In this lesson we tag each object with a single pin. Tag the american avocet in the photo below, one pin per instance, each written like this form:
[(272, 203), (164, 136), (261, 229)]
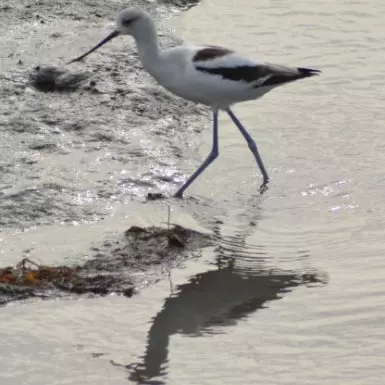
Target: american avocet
[(214, 76)]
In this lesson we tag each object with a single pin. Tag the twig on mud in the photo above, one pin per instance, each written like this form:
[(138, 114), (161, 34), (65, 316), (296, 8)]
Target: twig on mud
[(22, 265)]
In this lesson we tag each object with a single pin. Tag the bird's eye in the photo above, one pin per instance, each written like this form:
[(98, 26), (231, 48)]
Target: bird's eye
[(126, 22)]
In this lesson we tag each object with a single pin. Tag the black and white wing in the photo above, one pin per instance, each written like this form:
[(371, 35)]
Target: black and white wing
[(231, 66)]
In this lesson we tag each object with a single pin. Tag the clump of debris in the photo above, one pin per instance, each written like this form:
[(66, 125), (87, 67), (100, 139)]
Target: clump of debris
[(55, 79), (109, 271)]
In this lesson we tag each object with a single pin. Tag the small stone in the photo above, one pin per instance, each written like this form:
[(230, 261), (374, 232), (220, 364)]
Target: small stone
[(155, 196), (175, 240), (128, 292)]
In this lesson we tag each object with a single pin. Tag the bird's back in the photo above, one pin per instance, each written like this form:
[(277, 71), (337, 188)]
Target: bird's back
[(219, 77)]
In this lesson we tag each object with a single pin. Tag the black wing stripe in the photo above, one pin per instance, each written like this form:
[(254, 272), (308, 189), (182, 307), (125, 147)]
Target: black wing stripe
[(250, 74)]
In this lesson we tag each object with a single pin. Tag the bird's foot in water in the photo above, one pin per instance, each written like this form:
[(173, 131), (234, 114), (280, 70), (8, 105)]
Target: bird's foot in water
[(264, 187)]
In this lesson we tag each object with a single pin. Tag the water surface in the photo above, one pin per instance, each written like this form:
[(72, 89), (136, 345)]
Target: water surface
[(293, 293)]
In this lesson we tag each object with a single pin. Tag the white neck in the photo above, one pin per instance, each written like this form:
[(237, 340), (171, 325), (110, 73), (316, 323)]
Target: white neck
[(147, 44)]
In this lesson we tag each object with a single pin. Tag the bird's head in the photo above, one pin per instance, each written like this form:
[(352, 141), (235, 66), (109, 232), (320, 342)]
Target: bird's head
[(130, 21)]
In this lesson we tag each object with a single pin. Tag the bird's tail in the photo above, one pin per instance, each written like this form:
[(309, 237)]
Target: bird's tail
[(306, 72)]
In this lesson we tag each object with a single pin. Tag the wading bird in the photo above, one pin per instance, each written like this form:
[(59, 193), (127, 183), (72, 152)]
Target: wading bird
[(210, 75)]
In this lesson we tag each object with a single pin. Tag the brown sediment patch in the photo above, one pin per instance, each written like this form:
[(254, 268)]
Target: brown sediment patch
[(110, 271)]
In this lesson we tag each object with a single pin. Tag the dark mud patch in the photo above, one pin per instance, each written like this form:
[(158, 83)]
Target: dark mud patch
[(110, 271), (51, 79), (155, 196)]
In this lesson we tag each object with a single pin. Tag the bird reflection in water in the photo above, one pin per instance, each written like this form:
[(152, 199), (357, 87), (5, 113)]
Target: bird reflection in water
[(210, 301)]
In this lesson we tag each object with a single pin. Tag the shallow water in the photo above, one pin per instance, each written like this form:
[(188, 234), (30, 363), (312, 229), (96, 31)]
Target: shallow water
[(293, 293)]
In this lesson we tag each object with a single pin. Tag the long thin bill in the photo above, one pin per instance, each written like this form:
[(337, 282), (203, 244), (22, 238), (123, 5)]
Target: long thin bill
[(104, 41)]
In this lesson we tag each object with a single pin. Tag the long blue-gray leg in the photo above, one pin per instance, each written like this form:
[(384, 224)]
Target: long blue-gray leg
[(252, 146), (212, 156)]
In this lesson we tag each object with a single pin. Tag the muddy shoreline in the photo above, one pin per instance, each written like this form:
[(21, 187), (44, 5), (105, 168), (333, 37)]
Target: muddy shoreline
[(115, 135), (75, 142)]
